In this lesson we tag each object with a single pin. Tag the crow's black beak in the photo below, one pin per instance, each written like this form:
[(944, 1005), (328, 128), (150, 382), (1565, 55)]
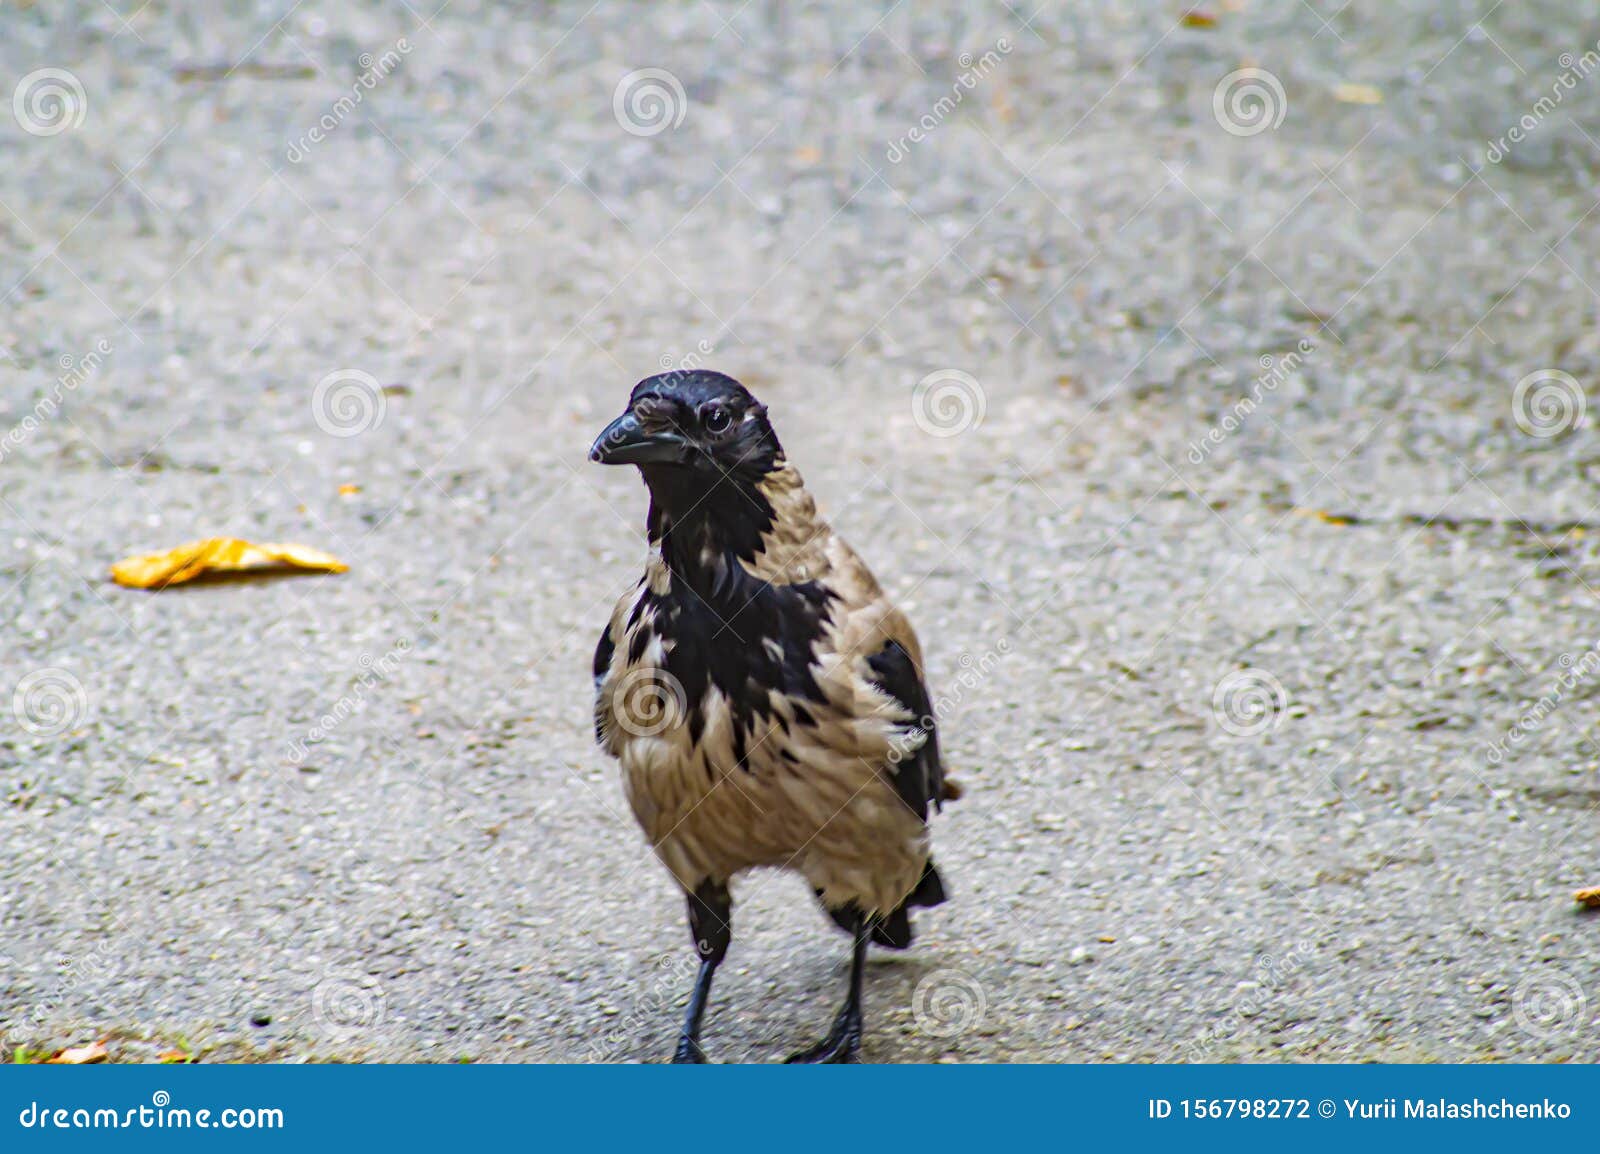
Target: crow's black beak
[(627, 442)]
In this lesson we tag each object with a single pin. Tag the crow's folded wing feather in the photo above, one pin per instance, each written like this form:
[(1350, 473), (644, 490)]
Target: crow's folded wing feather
[(919, 778)]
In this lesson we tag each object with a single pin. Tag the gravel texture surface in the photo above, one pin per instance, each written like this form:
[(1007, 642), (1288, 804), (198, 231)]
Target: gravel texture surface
[(1272, 682)]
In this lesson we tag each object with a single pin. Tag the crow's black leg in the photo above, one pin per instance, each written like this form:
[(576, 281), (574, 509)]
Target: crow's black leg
[(711, 924), (843, 1043)]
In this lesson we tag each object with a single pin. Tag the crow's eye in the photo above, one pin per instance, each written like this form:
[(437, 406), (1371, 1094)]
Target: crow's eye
[(718, 420)]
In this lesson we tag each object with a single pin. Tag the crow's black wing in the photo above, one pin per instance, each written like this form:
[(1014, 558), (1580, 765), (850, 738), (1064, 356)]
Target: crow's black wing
[(602, 665), (918, 779)]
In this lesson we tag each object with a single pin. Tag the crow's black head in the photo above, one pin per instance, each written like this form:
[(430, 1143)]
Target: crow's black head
[(694, 420), (704, 446)]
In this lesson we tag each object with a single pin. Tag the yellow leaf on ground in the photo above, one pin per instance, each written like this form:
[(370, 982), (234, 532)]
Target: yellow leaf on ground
[(1589, 897), (1194, 18), (80, 1055), (1357, 94), (220, 555)]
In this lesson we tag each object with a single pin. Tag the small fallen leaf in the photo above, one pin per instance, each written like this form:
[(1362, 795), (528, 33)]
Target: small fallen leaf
[(1323, 515), (220, 555), (1357, 94), (175, 1058), (80, 1055), (1589, 897), (1194, 18), (349, 490)]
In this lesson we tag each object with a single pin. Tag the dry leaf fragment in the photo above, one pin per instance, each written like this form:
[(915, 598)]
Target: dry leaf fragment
[(349, 490), (80, 1055), (1195, 18), (1357, 94), (220, 555), (175, 1058), (1589, 897)]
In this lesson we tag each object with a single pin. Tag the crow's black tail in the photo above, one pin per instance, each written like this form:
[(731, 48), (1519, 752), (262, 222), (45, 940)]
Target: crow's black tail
[(894, 932)]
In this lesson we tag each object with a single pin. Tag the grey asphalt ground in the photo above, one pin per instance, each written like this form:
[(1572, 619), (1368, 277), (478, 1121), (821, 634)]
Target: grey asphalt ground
[(1241, 719)]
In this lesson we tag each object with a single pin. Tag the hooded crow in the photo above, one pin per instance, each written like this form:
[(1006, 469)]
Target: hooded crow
[(764, 698)]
